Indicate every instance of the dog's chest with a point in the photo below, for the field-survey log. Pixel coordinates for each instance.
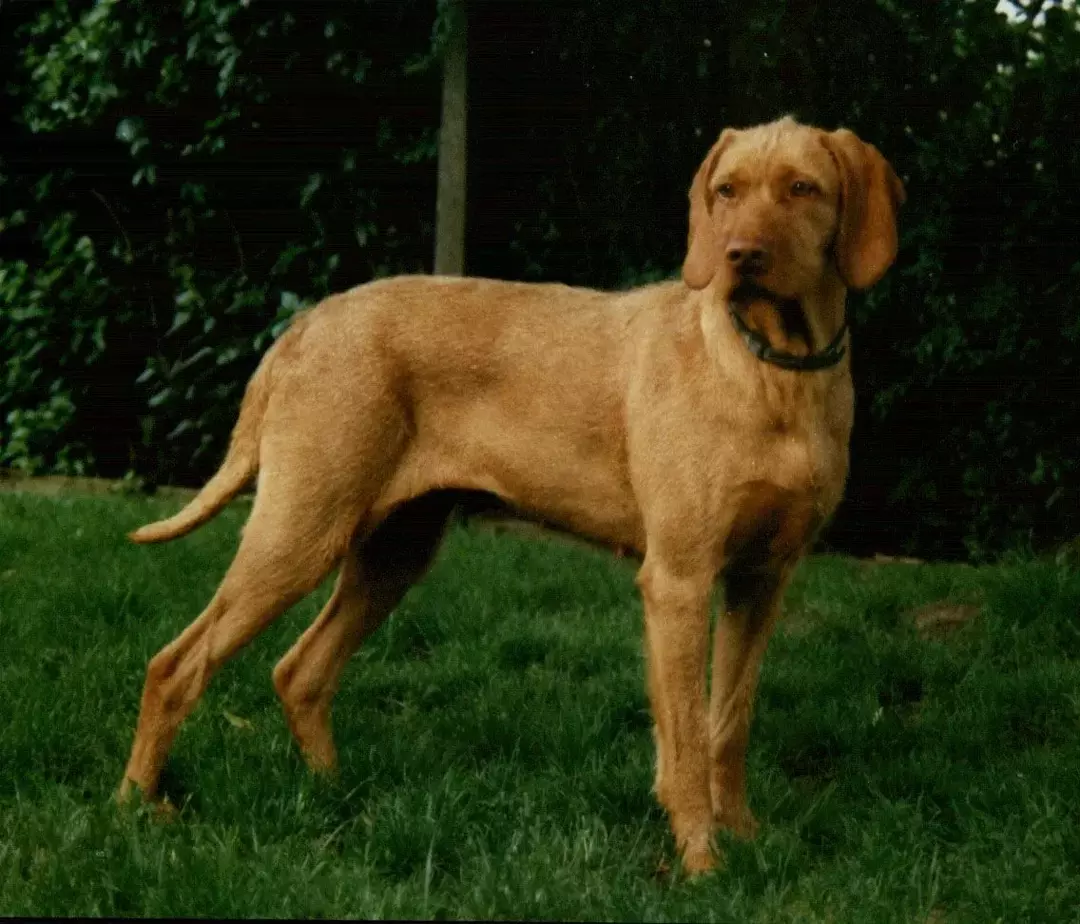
(784, 493)
(770, 523)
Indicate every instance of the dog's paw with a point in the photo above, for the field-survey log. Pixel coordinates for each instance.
(129, 795)
(699, 857)
(696, 849)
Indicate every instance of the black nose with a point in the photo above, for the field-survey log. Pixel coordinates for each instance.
(749, 259)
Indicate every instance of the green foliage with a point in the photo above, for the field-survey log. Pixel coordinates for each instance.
(69, 63)
(52, 322)
(149, 274)
(981, 315)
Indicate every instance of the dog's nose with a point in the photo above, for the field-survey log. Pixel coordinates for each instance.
(748, 258)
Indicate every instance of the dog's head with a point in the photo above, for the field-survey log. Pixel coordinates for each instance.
(780, 208)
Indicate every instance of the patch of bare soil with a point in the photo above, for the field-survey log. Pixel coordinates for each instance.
(880, 559)
(943, 618)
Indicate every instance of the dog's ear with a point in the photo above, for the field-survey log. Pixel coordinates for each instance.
(699, 267)
(870, 195)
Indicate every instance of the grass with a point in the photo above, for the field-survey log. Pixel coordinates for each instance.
(495, 745)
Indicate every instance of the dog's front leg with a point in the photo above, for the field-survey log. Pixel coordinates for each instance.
(677, 643)
(752, 607)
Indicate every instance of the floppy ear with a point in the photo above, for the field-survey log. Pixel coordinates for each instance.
(699, 267)
(870, 194)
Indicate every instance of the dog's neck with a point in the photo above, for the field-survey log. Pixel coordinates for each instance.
(795, 327)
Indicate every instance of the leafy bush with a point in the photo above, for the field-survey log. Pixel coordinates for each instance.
(152, 283)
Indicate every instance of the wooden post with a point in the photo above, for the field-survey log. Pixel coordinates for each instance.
(450, 196)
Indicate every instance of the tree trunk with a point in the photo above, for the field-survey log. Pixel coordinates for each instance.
(450, 197)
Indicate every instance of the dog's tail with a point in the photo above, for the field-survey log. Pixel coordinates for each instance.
(241, 460)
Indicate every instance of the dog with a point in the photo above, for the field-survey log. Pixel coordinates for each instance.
(701, 424)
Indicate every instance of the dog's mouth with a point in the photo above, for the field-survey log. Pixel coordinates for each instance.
(775, 317)
(748, 290)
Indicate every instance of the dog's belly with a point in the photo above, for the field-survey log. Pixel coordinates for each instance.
(572, 481)
(560, 486)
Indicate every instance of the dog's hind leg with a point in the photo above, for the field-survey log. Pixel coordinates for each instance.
(286, 551)
(375, 574)
(325, 454)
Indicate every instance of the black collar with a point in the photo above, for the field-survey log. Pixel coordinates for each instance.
(760, 347)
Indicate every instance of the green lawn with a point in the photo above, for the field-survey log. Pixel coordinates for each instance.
(495, 746)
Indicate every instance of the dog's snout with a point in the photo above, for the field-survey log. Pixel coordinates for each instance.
(748, 257)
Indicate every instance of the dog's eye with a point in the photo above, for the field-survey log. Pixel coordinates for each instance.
(726, 191)
(803, 188)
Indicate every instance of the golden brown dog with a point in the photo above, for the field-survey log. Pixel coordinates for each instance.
(702, 423)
